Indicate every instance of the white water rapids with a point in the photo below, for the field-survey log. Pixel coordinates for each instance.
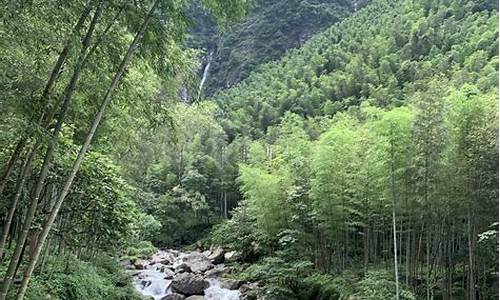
(151, 282)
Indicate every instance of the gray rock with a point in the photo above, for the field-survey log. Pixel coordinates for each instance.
(249, 291)
(232, 256)
(183, 268)
(231, 284)
(217, 271)
(189, 284)
(196, 297)
(198, 263)
(217, 256)
(140, 264)
(174, 296)
(145, 283)
(169, 274)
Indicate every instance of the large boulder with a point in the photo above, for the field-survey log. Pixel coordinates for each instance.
(198, 263)
(232, 256)
(217, 255)
(217, 271)
(189, 284)
(174, 296)
(231, 284)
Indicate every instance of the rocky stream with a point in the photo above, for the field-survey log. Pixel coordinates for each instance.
(190, 275)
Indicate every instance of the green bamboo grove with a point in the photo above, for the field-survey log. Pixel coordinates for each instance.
(345, 150)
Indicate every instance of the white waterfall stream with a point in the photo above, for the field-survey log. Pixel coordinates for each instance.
(216, 292)
(205, 74)
(151, 282)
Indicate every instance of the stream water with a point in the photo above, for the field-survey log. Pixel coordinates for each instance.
(151, 281)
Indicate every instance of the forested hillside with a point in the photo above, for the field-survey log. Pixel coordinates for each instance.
(384, 123)
(401, 45)
(361, 164)
(272, 27)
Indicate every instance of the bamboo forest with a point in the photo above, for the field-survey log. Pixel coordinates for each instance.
(249, 150)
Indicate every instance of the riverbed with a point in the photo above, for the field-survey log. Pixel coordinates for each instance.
(172, 275)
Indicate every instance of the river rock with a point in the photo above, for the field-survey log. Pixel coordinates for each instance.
(195, 297)
(189, 284)
(217, 271)
(231, 284)
(159, 259)
(249, 291)
(232, 256)
(217, 256)
(169, 274)
(145, 283)
(130, 267)
(183, 268)
(141, 264)
(174, 296)
(198, 263)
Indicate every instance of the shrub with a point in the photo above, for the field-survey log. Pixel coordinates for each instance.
(67, 277)
(380, 284)
(142, 249)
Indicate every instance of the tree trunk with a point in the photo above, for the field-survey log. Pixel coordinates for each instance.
(471, 285)
(225, 204)
(394, 234)
(427, 263)
(20, 184)
(366, 239)
(81, 154)
(10, 166)
(47, 162)
(54, 74)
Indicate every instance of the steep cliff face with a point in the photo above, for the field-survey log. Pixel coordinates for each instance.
(272, 27)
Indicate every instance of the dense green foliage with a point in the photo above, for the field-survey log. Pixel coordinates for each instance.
(69, 278)
(400, 44)
(273, 27)
(65, 200)
(397, 103)
(370, 150)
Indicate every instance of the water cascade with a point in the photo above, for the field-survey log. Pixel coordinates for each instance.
(205, 74)
(155, 278)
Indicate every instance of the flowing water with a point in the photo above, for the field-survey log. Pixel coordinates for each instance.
(151, 282)
(216, 292)
(205, 73)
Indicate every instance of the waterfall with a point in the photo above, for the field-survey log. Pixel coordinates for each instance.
(205, 74)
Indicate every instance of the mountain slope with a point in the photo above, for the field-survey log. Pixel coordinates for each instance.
(377, 55)
(273, 27)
